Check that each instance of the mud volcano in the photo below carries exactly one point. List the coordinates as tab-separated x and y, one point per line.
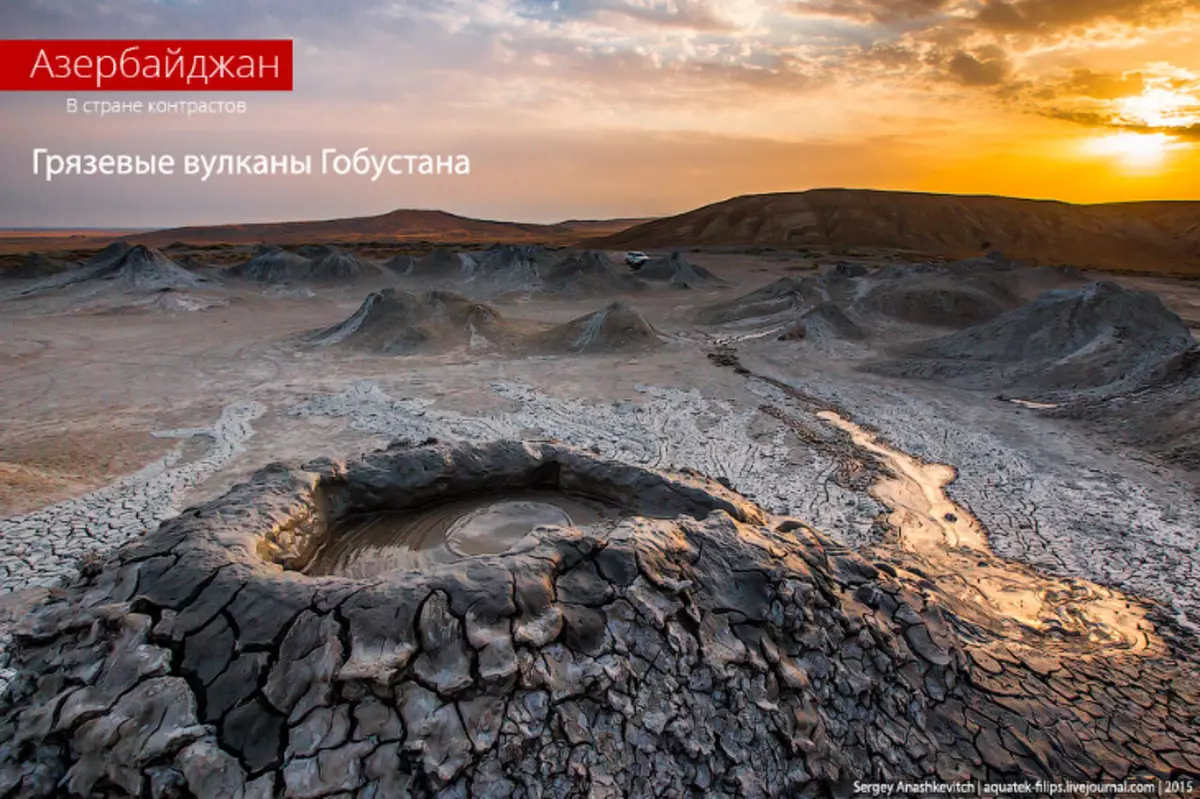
273	265
366	545
394	322
781	297
590	272
826	321
616	328
676	271
122	269
1096	341
692	644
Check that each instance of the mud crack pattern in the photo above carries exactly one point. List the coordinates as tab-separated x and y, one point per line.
700	645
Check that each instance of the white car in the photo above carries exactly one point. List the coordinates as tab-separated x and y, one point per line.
636	259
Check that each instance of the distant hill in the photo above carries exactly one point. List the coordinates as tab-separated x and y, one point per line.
1158	237
396	226
434	227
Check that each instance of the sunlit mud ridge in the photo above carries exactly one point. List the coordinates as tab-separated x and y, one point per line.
952	551
692	644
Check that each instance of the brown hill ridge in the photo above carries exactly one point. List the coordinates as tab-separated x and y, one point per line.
1162	237
400	225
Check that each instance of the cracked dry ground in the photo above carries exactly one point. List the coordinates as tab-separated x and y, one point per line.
697	646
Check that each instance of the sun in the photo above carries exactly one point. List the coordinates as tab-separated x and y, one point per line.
1139	151
1160	108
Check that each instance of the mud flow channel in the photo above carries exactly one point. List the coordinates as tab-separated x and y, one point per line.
945	541
366	545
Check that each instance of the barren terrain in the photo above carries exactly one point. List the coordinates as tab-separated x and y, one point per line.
787	377
1148	237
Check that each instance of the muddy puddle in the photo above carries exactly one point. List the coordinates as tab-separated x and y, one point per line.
367	545
949	545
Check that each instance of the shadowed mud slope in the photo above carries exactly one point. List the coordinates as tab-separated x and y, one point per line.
1098	341
616	328
1150	237
395	322
677	272
590	272
613	656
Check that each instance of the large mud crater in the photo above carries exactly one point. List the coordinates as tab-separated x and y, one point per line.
367	545
693	645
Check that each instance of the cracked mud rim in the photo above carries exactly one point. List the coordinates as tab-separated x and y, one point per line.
697	645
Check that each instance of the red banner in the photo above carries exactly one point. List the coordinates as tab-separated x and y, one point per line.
146	65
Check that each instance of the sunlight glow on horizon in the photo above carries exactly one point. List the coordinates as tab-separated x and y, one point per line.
1137	151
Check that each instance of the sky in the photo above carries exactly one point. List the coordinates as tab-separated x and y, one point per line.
625	108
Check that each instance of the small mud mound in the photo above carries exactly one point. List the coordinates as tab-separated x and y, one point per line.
1101	339
393	322
783	296
692	642
590	272
935	301
677	271
1161	417
400	265
507	267
339	266
273	265
441	264
111	281
110	253
617	328
829	321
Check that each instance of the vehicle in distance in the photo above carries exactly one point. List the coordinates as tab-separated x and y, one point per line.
635	259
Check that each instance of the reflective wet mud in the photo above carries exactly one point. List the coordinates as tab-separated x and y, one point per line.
366	545
949	546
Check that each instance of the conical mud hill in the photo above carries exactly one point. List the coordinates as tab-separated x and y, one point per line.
785	295
695	646
937	299
395	322
617	328
441	264
333	265
677	271
311	263
1099	340
273	265
824	322
590	272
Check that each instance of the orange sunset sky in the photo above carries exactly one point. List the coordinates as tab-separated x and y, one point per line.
602	108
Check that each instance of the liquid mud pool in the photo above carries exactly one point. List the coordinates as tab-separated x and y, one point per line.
366	545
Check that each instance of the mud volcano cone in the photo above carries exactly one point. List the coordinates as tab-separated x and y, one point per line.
333	265
589	272
144	269
677	271
783	296
273	265
394	322
616	328
689	641
110	253
441	264
1098	340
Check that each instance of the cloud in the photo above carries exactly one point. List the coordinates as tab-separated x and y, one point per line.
987	66
1056	16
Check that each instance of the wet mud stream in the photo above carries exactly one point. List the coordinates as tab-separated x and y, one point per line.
946	543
